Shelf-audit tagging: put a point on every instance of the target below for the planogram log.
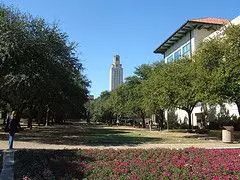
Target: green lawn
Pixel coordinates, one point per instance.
(218, 133)
(165, 137)
(100, 135)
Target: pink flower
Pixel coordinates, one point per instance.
(153, 170)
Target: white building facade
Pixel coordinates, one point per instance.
(185, 41)
(116, 73)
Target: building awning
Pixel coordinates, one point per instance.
(203, 23)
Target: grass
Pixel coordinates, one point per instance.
(99, 135)
(169, 137)
(218, 134)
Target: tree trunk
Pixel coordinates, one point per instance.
(150, 125)
(167, 118)
(4, 117)
(88, 118)
(167, 124)
(47, 117)
(160, 118)
(30, 123)
(39, 117)
(18, 118)
(189, 119)
(30, 117)
(143, 121)
(142, 115)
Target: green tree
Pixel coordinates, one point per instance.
(154, 102)
(127, 100)
(184, 86)
(218, 62)
(136, 93)
(231, 59)
(174, 86)
(117, 102)
(89, 110)
(209, 69)
(102, 109)
(39, 67)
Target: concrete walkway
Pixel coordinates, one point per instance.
(36, 145)
(7, 172)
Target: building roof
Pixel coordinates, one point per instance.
(211, 20)
(206, 23)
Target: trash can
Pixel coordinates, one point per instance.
(227, 134)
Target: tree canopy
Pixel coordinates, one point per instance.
(211, 76)
(39, 69)
(218, 62)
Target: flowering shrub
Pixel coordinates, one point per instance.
(133, 164)
(163, 163)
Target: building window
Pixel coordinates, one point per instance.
(170, 59)
(186, 50)
(177, 55)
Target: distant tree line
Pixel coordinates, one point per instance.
(210, 76)
(40, 74)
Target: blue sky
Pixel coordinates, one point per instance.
(131, 28)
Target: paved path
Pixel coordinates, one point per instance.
(36, 145)
(7, 172)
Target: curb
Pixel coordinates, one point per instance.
(7, 172)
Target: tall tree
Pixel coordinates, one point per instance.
(38, 66)
(218, 62)
(184, 86)
(154, 101)
(117, 101)
(174, 86)
(231, 59)
(102, 109)
(135, 99)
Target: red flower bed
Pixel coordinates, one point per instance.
(161, 164)
(128, 164)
